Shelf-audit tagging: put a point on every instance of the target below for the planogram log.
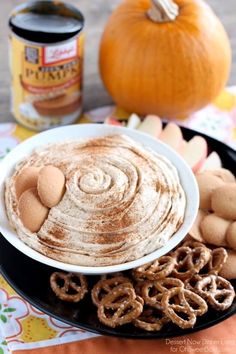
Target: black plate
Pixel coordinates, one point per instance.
(31, 280)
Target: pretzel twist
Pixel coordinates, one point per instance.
(190, 261)
(152, 291)
(160, 268)
(104, 286)
(217, 260)
(178, 300)
(217, 291)
(113, 312)
(73, 287)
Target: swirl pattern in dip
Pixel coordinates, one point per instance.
(122, 201)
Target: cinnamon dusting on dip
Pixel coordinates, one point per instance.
(122, 201)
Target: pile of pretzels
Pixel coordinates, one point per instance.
(175, 288)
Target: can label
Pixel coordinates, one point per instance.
(46, 82)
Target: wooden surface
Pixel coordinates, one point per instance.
(96, 13)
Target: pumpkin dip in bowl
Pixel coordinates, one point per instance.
(124, 199)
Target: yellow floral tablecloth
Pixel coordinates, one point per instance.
(22, 326)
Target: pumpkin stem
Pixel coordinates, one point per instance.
(163, 11)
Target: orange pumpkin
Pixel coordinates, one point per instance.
(163, 57)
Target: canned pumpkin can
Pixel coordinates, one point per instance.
(46, 64)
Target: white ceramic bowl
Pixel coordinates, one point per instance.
(94, 130)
